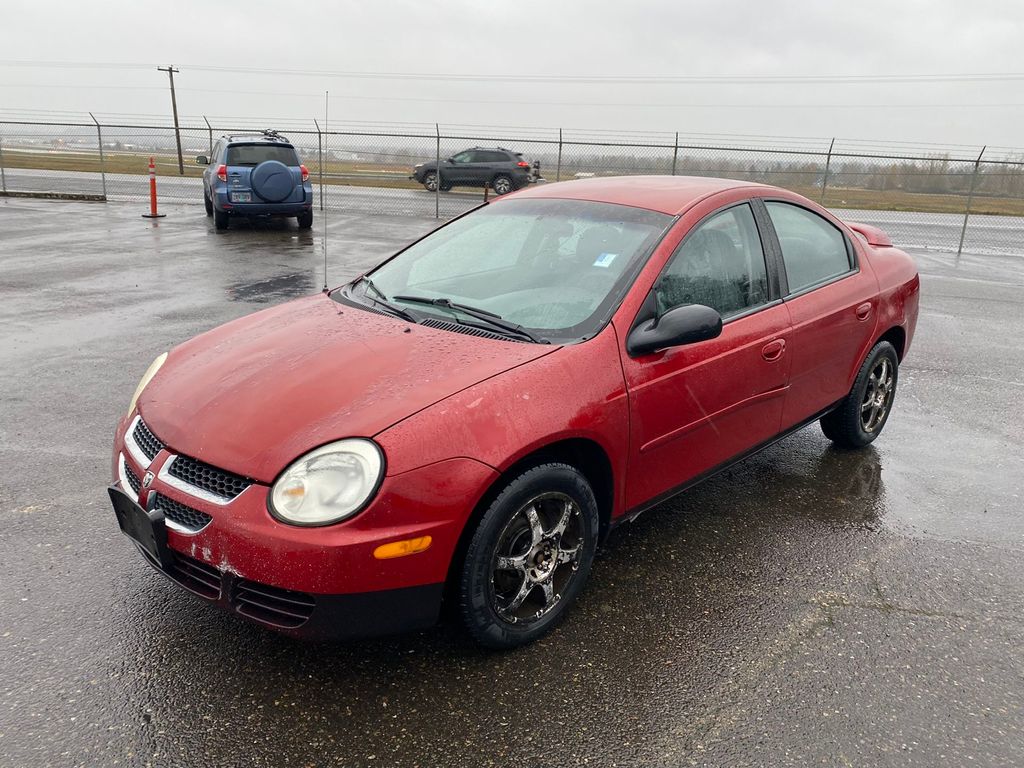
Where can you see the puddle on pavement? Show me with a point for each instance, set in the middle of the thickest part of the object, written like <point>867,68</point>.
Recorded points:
<point>274,288</point>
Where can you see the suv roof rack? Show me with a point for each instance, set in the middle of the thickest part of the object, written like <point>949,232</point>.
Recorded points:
<point>267,134</point>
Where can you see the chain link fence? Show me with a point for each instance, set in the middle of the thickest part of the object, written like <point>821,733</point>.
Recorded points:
<point>944,198</point>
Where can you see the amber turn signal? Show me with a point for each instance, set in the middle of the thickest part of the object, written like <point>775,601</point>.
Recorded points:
<point>402,548</point>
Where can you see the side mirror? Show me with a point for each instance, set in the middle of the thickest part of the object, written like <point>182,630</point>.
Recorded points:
<point>450,160</point>
<point>682,325</point>
<point>202,160</point>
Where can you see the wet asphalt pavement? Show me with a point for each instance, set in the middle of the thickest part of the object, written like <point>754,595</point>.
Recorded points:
<point>808,607</point>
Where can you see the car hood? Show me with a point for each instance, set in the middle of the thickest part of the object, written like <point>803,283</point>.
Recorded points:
<point>255,394</point>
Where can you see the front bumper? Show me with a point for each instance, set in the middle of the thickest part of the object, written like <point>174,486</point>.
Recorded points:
<point>241,558</point>
<point>302,615</point>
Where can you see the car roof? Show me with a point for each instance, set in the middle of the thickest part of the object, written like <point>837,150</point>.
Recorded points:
<point>665,194</point>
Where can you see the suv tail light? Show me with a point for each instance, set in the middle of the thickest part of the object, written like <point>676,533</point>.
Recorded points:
<point>305,172</point>
<point>523,164</point>
<point>222,172</point>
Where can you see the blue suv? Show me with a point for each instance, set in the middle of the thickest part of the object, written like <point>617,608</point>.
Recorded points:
<point>256,176</point>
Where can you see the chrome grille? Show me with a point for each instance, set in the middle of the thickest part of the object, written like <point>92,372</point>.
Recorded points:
<point>148,443</point>
<point>209,478</point>
<point>191,520</point>
<point>133,479</point>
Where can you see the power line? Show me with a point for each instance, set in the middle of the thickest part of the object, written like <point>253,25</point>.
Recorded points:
<point>559,103</point>
<point>566,78</point>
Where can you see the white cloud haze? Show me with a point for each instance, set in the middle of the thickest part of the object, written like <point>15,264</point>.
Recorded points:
<point>682,39</point>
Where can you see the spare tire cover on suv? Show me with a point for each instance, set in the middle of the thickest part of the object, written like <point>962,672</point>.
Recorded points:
<point>272,180</point>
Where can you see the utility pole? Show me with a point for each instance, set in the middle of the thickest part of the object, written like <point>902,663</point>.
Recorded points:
<point>174,107</point>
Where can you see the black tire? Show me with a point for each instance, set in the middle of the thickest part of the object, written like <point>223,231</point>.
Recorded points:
<point>502,184</point>
<point>445,187</point>
<point>430,180</point>
<point>208,203</point>
<point>305,220</point>
<point>544,567</point>
<point>862,414</point>
<point>220,219</point>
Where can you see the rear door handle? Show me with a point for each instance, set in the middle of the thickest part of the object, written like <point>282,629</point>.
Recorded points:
<point>773,350</point>
<point>864,311</point>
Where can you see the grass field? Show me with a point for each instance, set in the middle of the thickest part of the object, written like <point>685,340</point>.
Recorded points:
<point>396,177</point>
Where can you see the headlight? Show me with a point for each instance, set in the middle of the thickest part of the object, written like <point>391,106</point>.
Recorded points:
<point>146,378</point>
<point>329,484</point>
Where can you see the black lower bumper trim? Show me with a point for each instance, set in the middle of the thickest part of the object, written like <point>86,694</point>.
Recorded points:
<point>312,616</point>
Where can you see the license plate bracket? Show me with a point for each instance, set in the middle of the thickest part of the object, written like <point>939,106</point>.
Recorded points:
<point>241,197</point>
<point>145,527</point>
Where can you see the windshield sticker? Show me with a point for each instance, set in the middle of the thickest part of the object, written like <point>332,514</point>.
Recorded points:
<point>605,260</point>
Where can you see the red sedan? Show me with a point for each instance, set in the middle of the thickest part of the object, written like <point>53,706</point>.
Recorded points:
<point>466,421</point>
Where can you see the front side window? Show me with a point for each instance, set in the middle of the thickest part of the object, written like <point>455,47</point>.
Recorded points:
<point>555,267</point>
<point>254,154</point>
<point>813,250</point>
<point>720,264</point>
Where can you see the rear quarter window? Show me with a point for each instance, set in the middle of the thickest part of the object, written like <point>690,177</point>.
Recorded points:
<point>813,250</point>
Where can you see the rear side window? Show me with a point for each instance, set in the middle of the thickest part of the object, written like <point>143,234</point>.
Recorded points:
<point>813,250</point>
<point>254,154</point>
<point>720,264</point>
<point>492,157</point>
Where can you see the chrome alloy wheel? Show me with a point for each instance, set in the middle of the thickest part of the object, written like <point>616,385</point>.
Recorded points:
<point>877,396</point>
<point>502,185</point>
<point>537,557</point>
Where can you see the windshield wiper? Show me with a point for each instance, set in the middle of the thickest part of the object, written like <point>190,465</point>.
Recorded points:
<point>383,300</point>
<point>490,318</point>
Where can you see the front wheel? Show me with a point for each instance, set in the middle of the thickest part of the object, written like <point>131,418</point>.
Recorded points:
<point>305,220</point>
<point>430,181</point>
<point>861,415</point>
<point>529,557</point>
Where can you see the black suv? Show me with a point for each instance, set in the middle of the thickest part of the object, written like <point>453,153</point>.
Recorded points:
<point>501,169</point>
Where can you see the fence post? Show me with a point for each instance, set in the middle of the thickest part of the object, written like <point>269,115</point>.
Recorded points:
<point>437,172</point>
<point>3,176</point>
<point>209,131</point>
<point>970,199</point>
<point>320,156</point>
<point>99,143</point>
<point>558,168</point>
<point>828,165</point>
<point>675,153</point>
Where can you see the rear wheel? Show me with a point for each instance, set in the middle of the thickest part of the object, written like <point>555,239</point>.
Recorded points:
<point>220,219</point>
<point>208,203</point>
<point>502,185</point>
<point>305,220</point>
<point>862,414</point>
<point>430,180</point>
<point>529,557</point>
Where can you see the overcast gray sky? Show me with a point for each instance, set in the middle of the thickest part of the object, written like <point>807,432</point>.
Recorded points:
<point>784,38</point>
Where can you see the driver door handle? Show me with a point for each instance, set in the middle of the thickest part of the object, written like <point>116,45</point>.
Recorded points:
<point>773,350</point>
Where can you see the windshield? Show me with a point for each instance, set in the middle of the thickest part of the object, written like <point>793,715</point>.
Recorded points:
<point>254,154</point>
<point>555,267</point>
